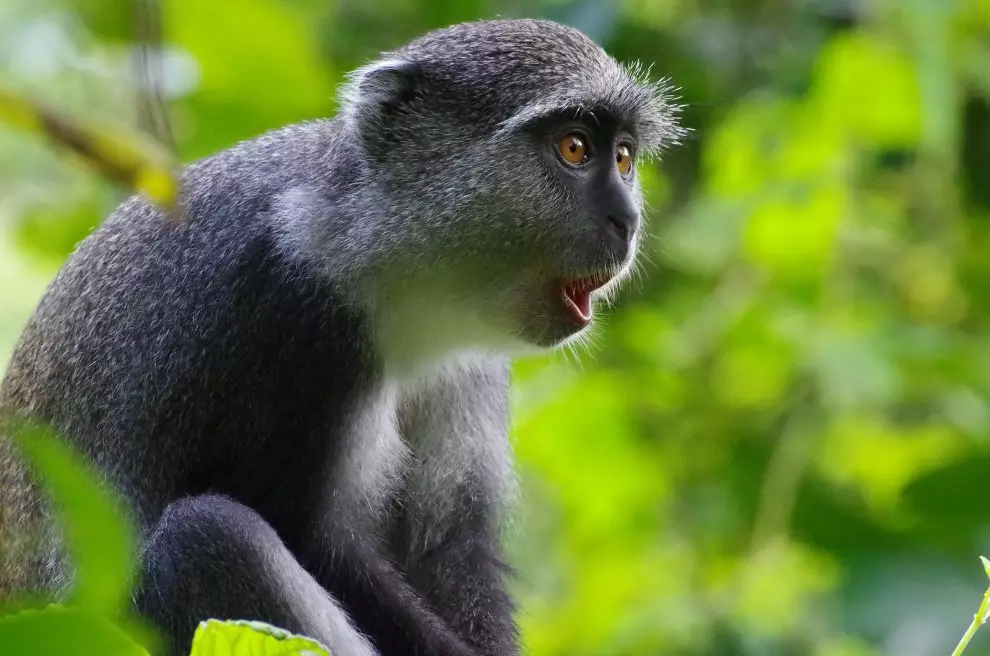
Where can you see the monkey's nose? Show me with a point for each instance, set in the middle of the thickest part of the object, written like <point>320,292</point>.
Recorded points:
<point>620,227</point>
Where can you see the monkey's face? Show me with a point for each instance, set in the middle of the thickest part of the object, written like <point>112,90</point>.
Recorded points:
<point>537,226</point>
<point>542,224</point>
<point>580,206</point>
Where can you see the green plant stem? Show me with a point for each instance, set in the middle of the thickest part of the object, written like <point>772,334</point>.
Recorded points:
<point>978,619</point>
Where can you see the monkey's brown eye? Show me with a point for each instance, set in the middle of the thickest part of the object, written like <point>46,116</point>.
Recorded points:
<point>623,159</point>
<point>572,149</point>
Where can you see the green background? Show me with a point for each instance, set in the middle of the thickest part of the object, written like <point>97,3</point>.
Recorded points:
<point>778,443</point>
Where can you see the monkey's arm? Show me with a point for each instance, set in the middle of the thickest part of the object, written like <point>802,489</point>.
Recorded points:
<point>449,537</point>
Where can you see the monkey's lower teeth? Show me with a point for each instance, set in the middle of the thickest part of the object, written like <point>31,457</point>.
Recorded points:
<point>577,296</point>
<point>580,303</point>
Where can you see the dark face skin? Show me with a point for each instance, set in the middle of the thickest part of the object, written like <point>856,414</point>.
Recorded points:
<point>596,156</point>
<point>592,159</point>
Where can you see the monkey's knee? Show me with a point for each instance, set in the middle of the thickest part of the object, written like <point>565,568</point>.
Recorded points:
<point>211,557</point>
<point>211,532</point>
<point>206,559</point>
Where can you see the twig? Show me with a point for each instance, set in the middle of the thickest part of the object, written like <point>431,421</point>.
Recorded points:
<point>979,618</point>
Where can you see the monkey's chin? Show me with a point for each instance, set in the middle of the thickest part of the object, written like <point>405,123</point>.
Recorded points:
<point>555,312</point>
<point>550,336</point>
<point>557,324</point>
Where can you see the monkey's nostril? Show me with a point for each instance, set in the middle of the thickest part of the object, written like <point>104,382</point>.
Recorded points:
<point>620,227</point>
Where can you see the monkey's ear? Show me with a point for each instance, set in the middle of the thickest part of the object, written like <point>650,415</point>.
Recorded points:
<point>376,93</point>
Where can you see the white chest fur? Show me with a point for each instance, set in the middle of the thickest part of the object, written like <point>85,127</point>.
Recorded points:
<point>428,439</point>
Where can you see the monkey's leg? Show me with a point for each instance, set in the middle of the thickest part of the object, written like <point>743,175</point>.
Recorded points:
<point>211,557</point>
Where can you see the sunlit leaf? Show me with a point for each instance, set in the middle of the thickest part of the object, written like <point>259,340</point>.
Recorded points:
<point>244,638</point>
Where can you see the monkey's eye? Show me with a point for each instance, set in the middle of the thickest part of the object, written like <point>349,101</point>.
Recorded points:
<point>572,149</point>
<point>623,160</point>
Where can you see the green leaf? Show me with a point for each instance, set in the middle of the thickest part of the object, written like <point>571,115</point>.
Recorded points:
<point>245,638</point>
<point>100,541</point>
<point>64,631</point>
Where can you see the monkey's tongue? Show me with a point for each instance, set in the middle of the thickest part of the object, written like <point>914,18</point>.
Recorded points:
<point>579,303</point>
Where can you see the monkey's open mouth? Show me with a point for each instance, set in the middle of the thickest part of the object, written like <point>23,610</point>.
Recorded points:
<point>577,296</point>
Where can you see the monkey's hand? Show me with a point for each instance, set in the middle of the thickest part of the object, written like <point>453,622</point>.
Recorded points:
<point>387,608</point>
<point>468,589</point>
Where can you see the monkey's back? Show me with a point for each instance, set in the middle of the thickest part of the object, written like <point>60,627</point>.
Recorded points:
<point>153,346</point>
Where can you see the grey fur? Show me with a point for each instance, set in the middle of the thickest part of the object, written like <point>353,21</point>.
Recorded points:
<point>304,390</point>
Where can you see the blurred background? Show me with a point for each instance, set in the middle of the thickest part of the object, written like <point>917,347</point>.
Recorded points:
<point>780,442</point>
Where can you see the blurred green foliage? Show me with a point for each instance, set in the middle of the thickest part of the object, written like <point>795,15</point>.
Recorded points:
<point>134,160</point>
<point>96,619</point>
<point>66,630</point>
<point>779,444</point>
<point>95,526</point>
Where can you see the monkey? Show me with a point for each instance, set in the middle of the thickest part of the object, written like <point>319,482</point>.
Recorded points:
<point>302,388</point>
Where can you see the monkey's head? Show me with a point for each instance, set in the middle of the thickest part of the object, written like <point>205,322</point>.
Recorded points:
<point>509,150</point>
